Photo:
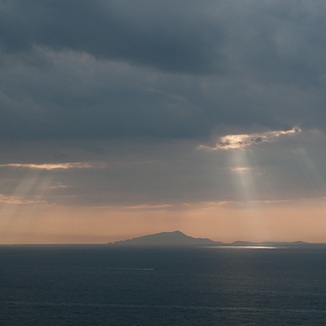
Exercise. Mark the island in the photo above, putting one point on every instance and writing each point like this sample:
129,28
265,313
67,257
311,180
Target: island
170,239
179,239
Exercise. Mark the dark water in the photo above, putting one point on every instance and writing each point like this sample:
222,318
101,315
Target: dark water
97,285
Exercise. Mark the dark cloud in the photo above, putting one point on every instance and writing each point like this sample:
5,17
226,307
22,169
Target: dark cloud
166,35
74,69
140,85
74,96
275,40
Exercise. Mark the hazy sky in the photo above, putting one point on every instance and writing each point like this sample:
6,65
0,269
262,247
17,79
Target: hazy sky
121,118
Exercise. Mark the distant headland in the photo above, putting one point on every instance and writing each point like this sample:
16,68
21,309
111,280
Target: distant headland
179,239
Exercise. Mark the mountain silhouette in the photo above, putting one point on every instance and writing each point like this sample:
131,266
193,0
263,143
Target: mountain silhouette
176,239
179,239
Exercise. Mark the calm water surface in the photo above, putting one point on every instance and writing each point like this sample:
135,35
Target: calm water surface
99,285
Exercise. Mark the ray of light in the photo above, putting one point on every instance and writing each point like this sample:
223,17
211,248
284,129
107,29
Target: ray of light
309,168
243,175
18,209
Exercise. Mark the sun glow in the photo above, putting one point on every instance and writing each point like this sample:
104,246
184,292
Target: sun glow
242,141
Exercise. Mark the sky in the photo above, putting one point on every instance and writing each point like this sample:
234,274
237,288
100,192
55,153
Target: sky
122,118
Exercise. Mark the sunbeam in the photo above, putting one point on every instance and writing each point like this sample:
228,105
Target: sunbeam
245,188
242,175
18,209
309,169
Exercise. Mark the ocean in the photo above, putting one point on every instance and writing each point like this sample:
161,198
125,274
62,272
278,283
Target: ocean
63,285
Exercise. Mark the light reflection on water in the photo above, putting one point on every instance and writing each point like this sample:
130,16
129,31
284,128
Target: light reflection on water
244,247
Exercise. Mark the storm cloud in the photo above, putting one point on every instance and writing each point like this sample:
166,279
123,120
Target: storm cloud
124,92
169,36
108,69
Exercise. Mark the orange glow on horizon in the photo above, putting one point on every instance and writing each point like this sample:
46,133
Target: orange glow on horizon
278,221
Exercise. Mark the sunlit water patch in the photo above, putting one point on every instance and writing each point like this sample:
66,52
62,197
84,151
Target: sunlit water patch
245,247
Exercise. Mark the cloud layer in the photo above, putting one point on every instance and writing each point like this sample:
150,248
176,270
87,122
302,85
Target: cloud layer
139,86
112,69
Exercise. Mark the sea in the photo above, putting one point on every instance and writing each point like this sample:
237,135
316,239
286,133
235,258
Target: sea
83,285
